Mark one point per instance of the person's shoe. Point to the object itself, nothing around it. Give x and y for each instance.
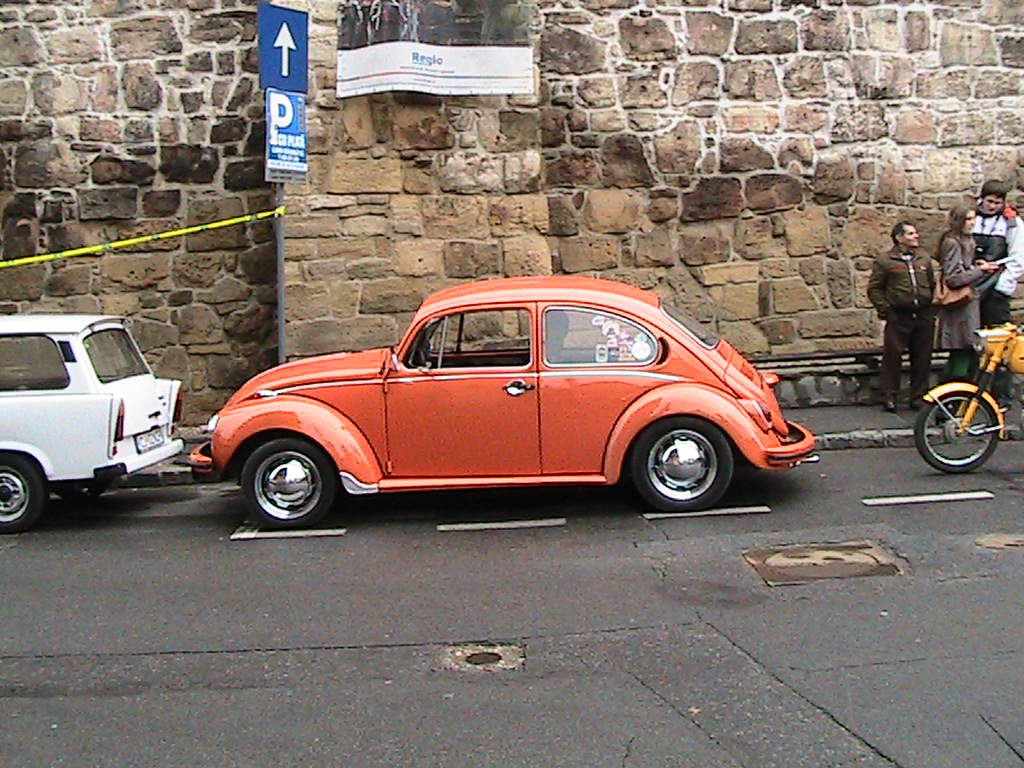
(889, 406)
(916, 404)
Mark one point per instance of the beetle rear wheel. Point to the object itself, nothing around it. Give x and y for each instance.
(682, 464)
(289, 483)
(942, 443)
(22, 493)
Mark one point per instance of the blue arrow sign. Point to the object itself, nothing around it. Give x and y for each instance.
(284, 48)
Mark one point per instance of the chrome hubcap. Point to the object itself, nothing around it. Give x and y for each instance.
(682, 465)
(287, 485)
(13, 496)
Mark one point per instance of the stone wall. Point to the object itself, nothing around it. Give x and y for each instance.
(121, 118)
(743, 158)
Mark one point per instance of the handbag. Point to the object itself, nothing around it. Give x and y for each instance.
(945, 296)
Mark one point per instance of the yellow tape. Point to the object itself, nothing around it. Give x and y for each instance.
(91, 249)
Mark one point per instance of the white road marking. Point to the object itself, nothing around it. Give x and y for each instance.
(504, 525)
(247, 533)
(926, 498)
(708, 513)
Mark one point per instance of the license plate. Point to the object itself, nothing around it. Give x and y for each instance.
(147, 441)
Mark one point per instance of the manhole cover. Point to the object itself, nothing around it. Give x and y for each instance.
(799, 563)
(1001, 540)
(482, 657)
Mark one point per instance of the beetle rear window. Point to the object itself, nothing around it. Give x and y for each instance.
(114, 355)
(31, 363)
(705, 335)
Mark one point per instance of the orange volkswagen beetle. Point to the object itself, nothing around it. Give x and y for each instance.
(507, 382)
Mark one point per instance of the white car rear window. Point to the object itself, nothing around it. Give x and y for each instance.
(31, 363)
(114, 355)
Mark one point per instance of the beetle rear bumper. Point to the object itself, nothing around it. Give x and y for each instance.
(798, 447)
(200, 460)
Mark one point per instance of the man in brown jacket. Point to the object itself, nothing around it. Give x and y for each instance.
(900, 288)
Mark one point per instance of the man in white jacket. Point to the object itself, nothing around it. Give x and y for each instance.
(997, 237)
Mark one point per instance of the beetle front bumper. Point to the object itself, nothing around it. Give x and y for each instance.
(799, 446)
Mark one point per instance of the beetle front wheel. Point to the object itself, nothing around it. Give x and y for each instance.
(949, 445)
(289, 483)
(682, 464)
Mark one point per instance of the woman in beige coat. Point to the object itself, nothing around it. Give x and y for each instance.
(956, 325)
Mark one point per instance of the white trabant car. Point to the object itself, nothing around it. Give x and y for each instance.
(79, 407)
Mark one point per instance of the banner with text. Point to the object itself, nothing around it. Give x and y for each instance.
(444, 47)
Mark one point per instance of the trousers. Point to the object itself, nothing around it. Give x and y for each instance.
(912, 333)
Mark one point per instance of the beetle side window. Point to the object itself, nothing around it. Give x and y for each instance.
(589, 337)
(31, 363)
(114, 356)
(486, 338)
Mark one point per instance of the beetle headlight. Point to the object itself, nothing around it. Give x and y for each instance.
(212, 423)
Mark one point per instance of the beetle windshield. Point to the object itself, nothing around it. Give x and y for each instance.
(114, 355)
(703, 333)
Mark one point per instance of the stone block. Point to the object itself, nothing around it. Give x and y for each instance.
(419, 257)
(20, 46)
(136, 271)
(355, 175)
(144, 37)
(624, 163)
(589, 253)
(752, 79)
(867, 233)
(343, 297)
(643, 91)
(391, 295)
(791, 295)
(967, 45)
(318, 337)
(773, 192)
(455, 216)
(528, 254)
(421, 126)
(679, 149)
(757, 238)
(766, 36)
(567, 51)
(572, 169)
(736, 301)
(466, 258)
(701, 244)
(655, 248)
(708, 34)
(646, 38)
(738, 154)
(751, 119)
(712, 198)
(513, 214)
(696, 81)
(523, 171)
(108, 203)
(807, 231)
(730, 273)
(306, 301)
(198, 324)
(833, 323)
(804, 78)
(826, 30)
(612, 210)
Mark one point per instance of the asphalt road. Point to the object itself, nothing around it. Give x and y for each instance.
(137, 632)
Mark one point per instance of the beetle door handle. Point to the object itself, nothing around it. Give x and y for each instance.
(518, 387)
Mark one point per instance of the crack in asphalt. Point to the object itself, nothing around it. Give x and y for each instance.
(817, 707)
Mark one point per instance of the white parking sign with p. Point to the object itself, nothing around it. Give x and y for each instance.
(286, 137)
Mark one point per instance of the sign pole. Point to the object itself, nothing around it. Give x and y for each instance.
(282, 354)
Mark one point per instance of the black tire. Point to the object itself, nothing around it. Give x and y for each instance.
(936, 434)
(289, 483)
(23, 493)
(681, 464)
